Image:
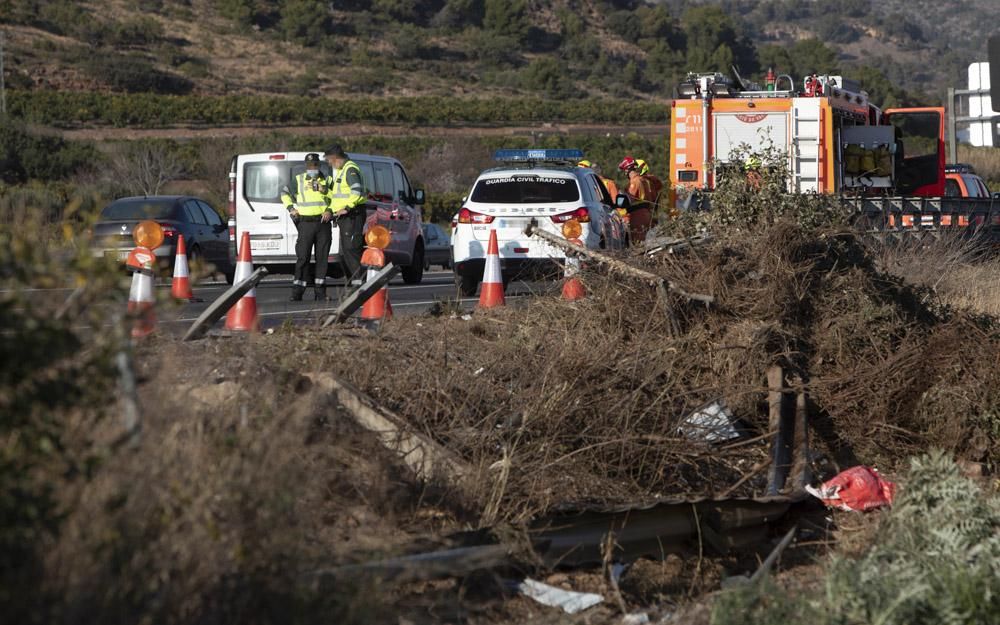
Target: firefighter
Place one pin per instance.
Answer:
(655, 184)
(608, 183)
(641, 198)
(309, 208)
(347, 201)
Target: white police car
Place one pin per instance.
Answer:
(545, 185)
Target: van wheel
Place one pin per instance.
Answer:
(467, 285)
(415, 272)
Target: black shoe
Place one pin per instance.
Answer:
(296, 295)
(321, 296)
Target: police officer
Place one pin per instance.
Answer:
(309, 208)
(347, 201)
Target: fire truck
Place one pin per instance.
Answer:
(889, 165)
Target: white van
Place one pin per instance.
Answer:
(255, 184)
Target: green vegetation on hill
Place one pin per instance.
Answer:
(69, 108)
(561, 49)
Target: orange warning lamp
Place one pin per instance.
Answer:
(572, 229)
(377, 236)
(148, 234)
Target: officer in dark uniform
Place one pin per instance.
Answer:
(347, 198)
(309, 207)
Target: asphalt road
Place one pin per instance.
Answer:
(274, 308)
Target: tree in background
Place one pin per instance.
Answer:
(507, 18)
(305, 21)
(143, 169)
(713, 43)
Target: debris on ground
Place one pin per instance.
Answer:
(570, 602)
(859, 489)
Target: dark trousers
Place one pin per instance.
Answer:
(312, 232)
(352, 242)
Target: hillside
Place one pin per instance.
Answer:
(562, 49)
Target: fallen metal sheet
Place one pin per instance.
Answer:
(577, 538)
(712, 423)
(422, 566)
(362, 294)
(220, 306)
(570, 602)
(427, 459)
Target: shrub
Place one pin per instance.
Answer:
(24, 156)
(934, 560)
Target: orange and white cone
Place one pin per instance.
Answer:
(180, 288)
(377, 307)
(140, 296)
(572, 287)
(491, 293)
(243, 316)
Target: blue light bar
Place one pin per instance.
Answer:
(537, 155)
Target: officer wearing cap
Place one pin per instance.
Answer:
(347, 201)
(309, 207)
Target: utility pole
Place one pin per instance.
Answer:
(3, 86)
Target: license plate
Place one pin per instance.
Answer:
(118, 255)
(264, 245)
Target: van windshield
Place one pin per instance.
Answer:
(263, 181)
(525, 189)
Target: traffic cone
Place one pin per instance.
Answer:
(377, 307)
(243, 316)
(572, 287)
(180, 288)
(141, 300)
(491, 294)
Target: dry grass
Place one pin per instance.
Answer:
(961, 273)
(985, 160)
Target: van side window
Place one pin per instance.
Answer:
(368, 173)
(383, 182)
(403, 191)
(951, 188)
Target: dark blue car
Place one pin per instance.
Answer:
(206, 236)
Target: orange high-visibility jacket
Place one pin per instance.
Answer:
(641, 192)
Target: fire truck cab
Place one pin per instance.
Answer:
(835, 140)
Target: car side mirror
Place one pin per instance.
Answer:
(622, 201)
(418, 197)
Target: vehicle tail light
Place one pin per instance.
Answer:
(581, 214)
(168, 230)
(231, 207)
(276, 157)
(465, 216)
(232, 229)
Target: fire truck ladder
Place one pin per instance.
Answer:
(805, 146)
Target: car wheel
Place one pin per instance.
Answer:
(415, 272)
(467, 285)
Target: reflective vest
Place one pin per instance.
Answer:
(345, 194)
(307, 200)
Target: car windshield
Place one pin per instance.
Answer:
(141, 208)
(525, 189)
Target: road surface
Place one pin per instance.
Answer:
(274, 309)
